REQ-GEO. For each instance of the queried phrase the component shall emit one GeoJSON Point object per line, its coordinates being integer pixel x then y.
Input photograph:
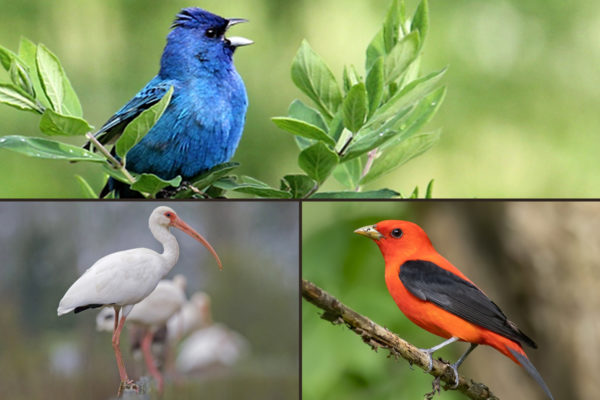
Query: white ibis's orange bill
{"type": "Point", "coordinates": [180, 224]}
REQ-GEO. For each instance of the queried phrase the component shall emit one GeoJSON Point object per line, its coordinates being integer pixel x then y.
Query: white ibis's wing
{"type": "Point", "coordinates": [121, 278]}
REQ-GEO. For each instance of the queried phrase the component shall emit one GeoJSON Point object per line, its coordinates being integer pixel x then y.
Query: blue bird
{"type": "Point", "coordinates": [203, 123]}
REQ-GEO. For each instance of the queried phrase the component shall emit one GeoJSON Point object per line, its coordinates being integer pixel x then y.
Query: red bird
{"type": "Point", "coordinates": [439, 298]}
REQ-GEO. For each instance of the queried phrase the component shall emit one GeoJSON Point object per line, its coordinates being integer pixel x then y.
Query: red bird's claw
{"type": "Point", "coordinates": [430, 359]}
{"type": "Point", "coordinates": [455, 370]}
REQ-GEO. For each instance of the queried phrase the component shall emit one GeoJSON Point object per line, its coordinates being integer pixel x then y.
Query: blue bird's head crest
{"type": "Point", "coordinates": [197, 44]}
{"type": "Point", "coordinates": [194, 17]}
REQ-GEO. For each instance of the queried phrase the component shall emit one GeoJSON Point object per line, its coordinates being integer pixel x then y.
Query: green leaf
{"type": "Point", "coordinates": [396, 155]}
{"type": "Point", "coordinates": [27, 53]}
{"type": "Point", "coordinates": [15, 97]}
{"type": "Point", "coordinates": [50, 149]}
{"type": "Point", "coordinates": [152, 184]}
{"type": "Point", "coordinates": [251, 186]}
{"type": "Point", "coordinates": [298, 185]}
{"type": "Point", "coordinates": [429, 191]}
{"type": "Point", "coordinates": [375, 50]}
{"type": "Point", "coordinates": [401, 56]}
{"type": "Point", "coordinates": [86, 189]}
{"type": "Point", "coordinates": [348, 173]}
{"type": "Point", "coordinates": [139, 127]}
{"type": "Point", "coordinates": [313, 77]}
{"type": "Point", "coordinates": [375, 194]}
{"type": "Point", "coordinates": [420, 21]}
{"type": "Point", "coordinates": [20, 77]}
{"type": "Point", "coordinates": [53, 124]}
{"type": "Point", "coordinates": [391, 27]}
{"type": "Point", "coordinates": [299, 110]}
{"type": "Point", "coordinates": [115, 173]}
{"type": "Point", "coordinates": [415, 193]}
{"type": "Point", "coordinates": [367, 143]}
{"type": "Point", "coordinates": [371, 138]}
{"type": "Point", "coordinates": [215, 173]}
{"type": "Point", "coordinates": [318, 161]}
{"type": "Point", "coordinates": [55, 83]}
{"type": "Point", "coordinates": [301, 128]}
{"type": "Point", "coordinates": [410, 94]}
{"type": "Point", "coordinates": [346, 80]}
{"type": "Point", "coordinates": [355, 107]}
{"type": "Point", "coordinates": [419, 115]}
{"type": "Point", "coordinates": [6, 57]}
{"type": "Point", "coordinates": [375, 84]}
{"type": "Point", "coordinates": [336, 127]}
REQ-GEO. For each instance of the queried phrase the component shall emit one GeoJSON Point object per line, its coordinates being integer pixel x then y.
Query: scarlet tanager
{"type": "Point", "coordinates": [439, 298]}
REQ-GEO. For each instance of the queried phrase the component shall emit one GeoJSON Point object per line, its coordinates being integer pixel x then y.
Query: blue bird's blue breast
{"type": "Point", "coordinates": [200, 128]}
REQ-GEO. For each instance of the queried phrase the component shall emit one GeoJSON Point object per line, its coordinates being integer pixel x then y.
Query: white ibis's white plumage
{"type": "Point", "coordinates": [165, 301]}
{"type": "Point", "coordinates": [125, 278]}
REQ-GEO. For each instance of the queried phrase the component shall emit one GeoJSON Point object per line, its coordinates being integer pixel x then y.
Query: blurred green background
{"type": "Point", "coordinates": [520, 118]}
{"type": "Point", "coordinates": [46, 246]}
{"type": "Point", "coordinates": [536, 260]}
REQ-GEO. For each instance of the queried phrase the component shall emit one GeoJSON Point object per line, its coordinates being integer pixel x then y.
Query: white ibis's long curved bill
{"type": "Point", "coordinates": [179, 224]}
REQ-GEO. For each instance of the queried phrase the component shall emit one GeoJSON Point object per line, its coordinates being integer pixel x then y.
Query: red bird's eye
{"type": "Point", "coordinates": [397, 233]}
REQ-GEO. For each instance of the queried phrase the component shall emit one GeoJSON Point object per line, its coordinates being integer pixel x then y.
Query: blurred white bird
{"type": "Point", "coordinates": [211, 345]}
{"type": "Point", "coordinates": [194, 314]}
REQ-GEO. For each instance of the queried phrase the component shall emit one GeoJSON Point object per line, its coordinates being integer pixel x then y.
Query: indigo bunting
{"type": "Point", "coordinates": [203, 123]}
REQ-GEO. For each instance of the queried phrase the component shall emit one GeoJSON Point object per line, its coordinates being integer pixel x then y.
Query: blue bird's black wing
{"type": "Point", "coordinates": [146, 98]}
{"type": "Point", "coordinates": [429, 282]}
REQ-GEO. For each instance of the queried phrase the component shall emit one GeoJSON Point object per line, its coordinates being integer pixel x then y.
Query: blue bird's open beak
{"type": "Point", "coordinates": [237, 41]}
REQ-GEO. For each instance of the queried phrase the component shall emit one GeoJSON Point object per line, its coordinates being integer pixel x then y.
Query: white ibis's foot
{"type": "Point", "coordinates": [127, 385]}
{"type": "Point", "coordinates": [429, 352]}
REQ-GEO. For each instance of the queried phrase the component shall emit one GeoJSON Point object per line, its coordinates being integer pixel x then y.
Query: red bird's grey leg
{"type": "Point", "coordinates": [460, 361]}
{"type": "Point", "coordinates": [436, 348]}
{"type": "Point", "coordinates": [147, 350]}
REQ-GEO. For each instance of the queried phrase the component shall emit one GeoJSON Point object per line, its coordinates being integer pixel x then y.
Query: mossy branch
{"type": "Point", "coordinates": [377, 336]}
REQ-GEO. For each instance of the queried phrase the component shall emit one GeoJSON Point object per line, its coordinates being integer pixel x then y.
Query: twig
{"type": "Point", "coordinates": [370, 159]}
{"type": "Point", "coordinates": [116, 163]}
{"type": "Point", "coordinates": [377, 336]}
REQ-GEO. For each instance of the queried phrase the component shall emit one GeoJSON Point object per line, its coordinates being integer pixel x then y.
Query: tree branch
{"type": "Point", "coordinates": [377, 336]}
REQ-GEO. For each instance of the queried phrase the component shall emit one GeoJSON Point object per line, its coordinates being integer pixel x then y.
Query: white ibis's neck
{"type": "Point", "coordinates": [170, 252]}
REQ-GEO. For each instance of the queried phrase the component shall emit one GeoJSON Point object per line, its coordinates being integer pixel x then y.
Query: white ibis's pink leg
{"type": "Point", "coordinates": [147, 350]}
{"type": "Point", "coordinates": [115, 343]}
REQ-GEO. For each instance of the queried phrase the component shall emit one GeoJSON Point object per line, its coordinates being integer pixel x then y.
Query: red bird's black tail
{"type": "Point", "coordinates": [524, 361]}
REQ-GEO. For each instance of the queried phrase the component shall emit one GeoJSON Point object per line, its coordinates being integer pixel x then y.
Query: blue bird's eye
{"type": "Point", "coordinates": [211, 33]}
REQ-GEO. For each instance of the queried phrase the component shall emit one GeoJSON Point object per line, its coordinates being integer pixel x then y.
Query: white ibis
{"type": "Point", "coordinates": [210, 346]}
{"type": "Point", "coordinates": [150, 314]}
{"type": "Point", "coordinates": [125, 278]}
{"type": "Point", "coordinates": [194, 314]}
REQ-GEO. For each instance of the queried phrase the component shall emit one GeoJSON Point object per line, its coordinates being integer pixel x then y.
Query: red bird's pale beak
{"type": "Point", "coordinates": [369, 231]}
{"type": "Point", "coordinates": [179, 224]}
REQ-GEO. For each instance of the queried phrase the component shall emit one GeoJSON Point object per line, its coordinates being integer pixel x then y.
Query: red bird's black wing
{"type": "Point", "coordinates": [429, 282]}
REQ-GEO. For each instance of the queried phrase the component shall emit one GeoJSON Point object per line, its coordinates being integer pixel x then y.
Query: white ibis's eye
{"type": "Point", "coordinates": [397, 233]}
{"type": "Point", "coordinates": [168, 214]}
{"type": "Point", "coordinates": [211, 33]}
